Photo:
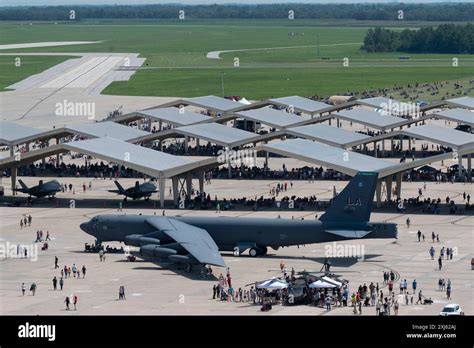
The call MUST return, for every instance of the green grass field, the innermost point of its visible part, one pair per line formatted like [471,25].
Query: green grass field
[176,62]
[29,65]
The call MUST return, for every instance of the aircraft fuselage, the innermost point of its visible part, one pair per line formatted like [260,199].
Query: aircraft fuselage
[230,232]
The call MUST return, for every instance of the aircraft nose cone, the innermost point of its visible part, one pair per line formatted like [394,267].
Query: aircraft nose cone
[85,227]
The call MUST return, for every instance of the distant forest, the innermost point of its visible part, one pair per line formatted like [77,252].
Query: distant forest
[411,12]
[446,38]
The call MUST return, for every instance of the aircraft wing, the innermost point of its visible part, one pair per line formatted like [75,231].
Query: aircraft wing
[349,233]
[195,240]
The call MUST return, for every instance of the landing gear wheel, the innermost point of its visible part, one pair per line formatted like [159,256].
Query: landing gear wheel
[253,252]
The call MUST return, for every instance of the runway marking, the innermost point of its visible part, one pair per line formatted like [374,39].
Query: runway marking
[216,54]
[83,75]
[68,77]
[88,215]
[46,44]
[460,219]
[90,76]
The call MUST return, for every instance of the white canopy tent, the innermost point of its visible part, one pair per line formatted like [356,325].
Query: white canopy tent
[272,284]
[319,284]
[332,281]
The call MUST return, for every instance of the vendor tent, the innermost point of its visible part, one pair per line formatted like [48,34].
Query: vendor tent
[272,284]
[332,281]
[319,284]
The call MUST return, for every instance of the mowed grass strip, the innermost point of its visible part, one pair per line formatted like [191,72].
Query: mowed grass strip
[176,62]
[261,83]
[10,72]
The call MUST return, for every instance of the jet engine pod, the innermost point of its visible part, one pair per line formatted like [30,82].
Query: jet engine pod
[183,259]
[156,251]
[138,240]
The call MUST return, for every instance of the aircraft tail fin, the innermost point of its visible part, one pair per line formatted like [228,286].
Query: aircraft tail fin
[120,188]
[354,203]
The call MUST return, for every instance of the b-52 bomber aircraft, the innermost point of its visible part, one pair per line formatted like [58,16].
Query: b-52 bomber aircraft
[138,191]
[199,240]
[49,188]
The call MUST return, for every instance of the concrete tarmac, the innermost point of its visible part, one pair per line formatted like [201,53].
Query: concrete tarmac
[155,289]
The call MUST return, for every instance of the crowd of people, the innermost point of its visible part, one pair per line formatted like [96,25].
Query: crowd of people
[433,205]
[100,170]
[277,199]
[225,291]
[384,303]
[96,170]
[58,281]
[179,149]
[411,91]
[26,220]
[382,298]
[66,271]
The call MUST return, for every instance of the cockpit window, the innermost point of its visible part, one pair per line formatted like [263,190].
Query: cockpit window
[95,222]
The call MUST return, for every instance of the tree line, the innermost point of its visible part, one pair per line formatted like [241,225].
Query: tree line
[361,12]
[446,38]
